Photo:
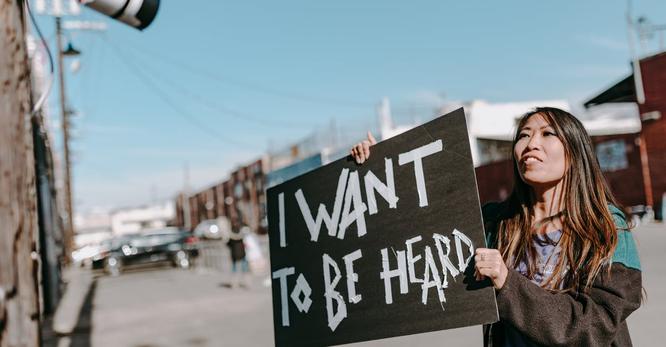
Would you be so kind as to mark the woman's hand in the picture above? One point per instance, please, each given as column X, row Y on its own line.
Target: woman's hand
column 489, row 263
column 361, row 151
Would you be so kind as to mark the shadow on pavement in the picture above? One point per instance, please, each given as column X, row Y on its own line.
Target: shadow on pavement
column 82, row 333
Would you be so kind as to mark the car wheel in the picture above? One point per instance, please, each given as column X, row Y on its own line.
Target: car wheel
column 112, row 266
column 182, row 259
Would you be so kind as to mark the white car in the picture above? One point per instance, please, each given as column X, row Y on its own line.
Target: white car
column 214, row 229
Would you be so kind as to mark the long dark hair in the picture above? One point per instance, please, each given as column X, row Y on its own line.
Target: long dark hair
column 589, row 234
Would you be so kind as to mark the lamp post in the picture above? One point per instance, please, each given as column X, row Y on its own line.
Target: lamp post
column 136, row 13
column 65, row 113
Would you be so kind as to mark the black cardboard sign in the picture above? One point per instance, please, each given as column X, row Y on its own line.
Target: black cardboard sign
column 363, row 252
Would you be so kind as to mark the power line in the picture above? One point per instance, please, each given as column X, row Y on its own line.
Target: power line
column 179, row 111
column 42, row 98
column 254, row 86
column 225, row 111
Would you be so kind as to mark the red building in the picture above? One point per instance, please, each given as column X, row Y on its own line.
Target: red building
column 634, row 163
column 241, row 199
column 646, row 88
column 623, row 172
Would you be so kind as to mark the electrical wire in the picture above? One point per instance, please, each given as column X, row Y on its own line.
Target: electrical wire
column 42, row 98
column 89, row 72
column 179, row 111
column 225, row 111
column 256, row 87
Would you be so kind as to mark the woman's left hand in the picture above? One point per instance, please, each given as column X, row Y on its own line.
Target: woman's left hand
column 489, row 263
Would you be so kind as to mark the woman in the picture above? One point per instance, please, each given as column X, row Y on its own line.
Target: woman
column 561, row 256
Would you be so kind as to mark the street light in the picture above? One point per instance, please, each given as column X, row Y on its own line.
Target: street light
column 71, row 51
column 64, row 112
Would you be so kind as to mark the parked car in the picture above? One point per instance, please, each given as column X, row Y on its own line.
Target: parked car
column 172, row 245
column 213, row 229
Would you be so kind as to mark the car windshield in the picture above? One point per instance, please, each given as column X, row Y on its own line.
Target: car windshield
column 154, row 239
column 114, row 243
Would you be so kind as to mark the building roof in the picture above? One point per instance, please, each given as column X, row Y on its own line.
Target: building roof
column 497, row 121
column 612, row 119
column 622, row 91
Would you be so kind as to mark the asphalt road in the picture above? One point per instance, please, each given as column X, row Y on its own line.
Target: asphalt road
column 169, row 307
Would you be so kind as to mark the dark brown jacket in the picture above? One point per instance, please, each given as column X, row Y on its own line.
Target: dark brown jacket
column 596, row 318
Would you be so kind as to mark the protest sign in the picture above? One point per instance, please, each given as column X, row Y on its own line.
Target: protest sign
column 362, row 252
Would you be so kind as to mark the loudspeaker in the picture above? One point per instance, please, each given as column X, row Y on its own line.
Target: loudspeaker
column 136, row 13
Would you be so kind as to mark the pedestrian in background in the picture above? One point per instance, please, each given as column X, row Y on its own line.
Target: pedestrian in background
column 561, row 256
column 239, row 265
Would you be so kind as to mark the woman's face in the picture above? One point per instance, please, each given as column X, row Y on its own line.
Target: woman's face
column 539, row 153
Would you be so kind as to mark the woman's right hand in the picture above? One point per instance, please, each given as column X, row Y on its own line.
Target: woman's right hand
column 361, row 151
column 489, row 263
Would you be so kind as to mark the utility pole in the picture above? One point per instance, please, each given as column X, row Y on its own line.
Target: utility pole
column 69, row 227
column 19, row 304
column 640, row 100
column 635, row 61
column 58, row 11
column 187, row 214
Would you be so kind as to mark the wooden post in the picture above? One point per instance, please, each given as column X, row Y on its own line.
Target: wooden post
column 19, row 305
column 64, row 113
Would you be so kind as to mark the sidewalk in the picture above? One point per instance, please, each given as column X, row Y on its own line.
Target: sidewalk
column 71, row 324
column 646, row 324
column 170, row 307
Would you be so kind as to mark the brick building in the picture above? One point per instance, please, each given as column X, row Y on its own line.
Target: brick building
column 619, row 157
column 241, row 198
column 646, row 87
column 615, row 131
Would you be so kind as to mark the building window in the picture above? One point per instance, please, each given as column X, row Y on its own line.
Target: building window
column 612, row 155
column 491, row 151
column 238, row 190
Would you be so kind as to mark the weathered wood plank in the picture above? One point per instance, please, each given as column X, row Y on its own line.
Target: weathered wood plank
column 19, row 307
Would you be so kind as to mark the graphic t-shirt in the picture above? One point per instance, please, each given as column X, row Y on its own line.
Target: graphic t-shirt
column 548, row 253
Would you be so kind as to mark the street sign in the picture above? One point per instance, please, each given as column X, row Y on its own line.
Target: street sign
column 363, row 252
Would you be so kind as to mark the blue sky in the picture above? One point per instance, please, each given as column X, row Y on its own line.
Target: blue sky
column 215, row 83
